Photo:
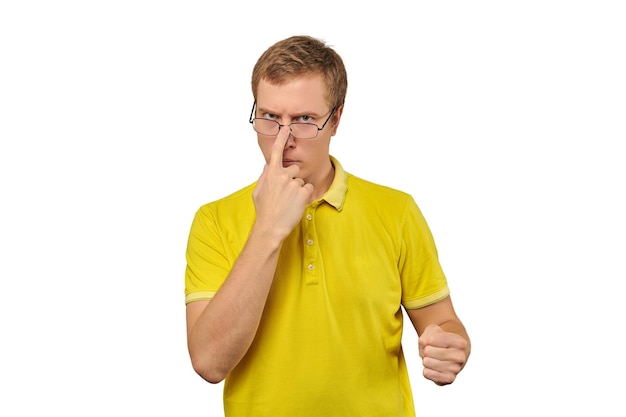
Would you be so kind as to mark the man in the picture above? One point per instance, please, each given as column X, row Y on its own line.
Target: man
column 295, row 284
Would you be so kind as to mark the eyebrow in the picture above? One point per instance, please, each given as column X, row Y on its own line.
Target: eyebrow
column 299, row 114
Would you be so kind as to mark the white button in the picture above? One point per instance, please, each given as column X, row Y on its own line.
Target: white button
column 311, row 267
column 309, row 242
column 308, row 216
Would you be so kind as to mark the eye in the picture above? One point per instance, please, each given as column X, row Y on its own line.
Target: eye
column 269, row 116
column 305, row 119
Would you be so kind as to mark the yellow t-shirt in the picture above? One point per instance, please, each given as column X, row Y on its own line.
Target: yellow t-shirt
column 329, row 342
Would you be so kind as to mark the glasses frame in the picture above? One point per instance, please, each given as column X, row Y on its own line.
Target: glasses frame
column 319, row 129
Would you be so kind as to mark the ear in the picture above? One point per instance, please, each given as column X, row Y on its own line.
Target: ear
column 336, row 119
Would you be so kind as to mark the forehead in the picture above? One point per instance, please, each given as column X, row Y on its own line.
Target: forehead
column 301, row 92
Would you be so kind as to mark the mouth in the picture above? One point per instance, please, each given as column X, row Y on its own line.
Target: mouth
column 288, row 162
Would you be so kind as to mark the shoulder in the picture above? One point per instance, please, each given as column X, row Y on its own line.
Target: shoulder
column 373, row 192
column 232, row 203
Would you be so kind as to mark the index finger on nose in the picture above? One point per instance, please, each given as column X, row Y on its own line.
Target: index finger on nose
column 276, row 156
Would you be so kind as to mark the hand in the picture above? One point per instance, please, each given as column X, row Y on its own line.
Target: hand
column 281, row 195
column 443, row 354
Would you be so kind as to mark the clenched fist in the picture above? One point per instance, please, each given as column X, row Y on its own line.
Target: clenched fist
column 443, row 354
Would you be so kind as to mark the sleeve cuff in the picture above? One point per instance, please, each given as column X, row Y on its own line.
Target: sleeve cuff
column 199, row 295
column 424, row 301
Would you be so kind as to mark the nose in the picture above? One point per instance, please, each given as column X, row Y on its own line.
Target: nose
column 291, row 140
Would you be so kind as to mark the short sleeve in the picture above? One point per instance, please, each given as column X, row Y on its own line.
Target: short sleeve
column 423, row 279
column 207, row 262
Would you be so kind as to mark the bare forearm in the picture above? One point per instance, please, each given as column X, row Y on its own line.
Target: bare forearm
column 224, row 331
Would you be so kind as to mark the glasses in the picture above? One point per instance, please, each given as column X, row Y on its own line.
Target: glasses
column 298, row 130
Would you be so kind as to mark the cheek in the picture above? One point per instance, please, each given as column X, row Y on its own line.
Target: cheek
column 266, row 148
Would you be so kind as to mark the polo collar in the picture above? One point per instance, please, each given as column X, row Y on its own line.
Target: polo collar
column 336, row 194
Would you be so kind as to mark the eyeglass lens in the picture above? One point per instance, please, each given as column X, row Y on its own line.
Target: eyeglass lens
column 298, row 130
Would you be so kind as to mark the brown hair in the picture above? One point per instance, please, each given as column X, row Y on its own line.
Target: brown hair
column 303, row 55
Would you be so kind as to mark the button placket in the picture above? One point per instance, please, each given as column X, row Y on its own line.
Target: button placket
column 310, row 250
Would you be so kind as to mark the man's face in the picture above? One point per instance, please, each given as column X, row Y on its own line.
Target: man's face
column 300, row 100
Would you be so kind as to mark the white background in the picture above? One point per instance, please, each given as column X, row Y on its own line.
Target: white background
column 118, row 119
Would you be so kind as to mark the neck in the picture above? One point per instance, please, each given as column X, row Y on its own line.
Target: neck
column 322, row 184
